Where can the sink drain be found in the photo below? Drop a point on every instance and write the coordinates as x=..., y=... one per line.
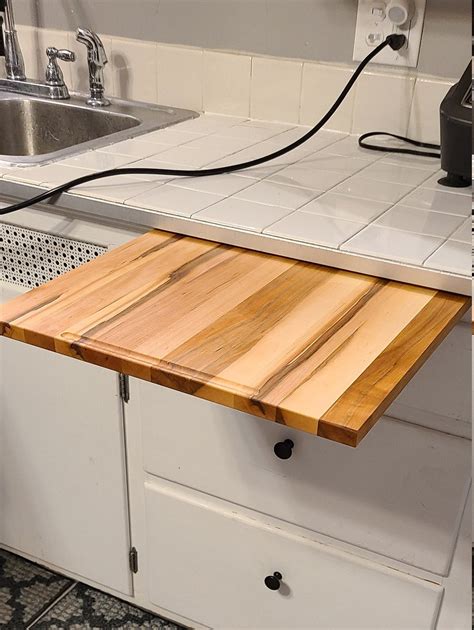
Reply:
x=30, y=258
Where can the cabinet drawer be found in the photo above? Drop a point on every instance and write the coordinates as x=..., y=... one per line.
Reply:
x=210, y=566
x=400, y=494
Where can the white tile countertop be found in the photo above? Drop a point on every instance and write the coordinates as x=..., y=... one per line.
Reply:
x=328, y=201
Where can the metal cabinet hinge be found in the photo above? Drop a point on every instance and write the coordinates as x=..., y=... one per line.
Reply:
x=133, y=560
x=124, y=384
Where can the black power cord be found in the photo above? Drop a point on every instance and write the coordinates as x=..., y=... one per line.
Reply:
x=396, y=42
x=415, y=143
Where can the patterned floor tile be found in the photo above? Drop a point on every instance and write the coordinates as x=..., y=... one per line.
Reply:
x=26, y=589
x=84, y=608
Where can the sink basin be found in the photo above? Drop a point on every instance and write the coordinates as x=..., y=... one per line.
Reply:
x=36, y=131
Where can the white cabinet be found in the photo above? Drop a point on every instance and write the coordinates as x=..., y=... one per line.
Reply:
x=63, y=497
x=400, y=494
x=209, y=563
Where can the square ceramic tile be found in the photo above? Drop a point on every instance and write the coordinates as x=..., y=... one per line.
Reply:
x=97, y=161
x=134, y=68
x=117, y=189
x=349, y=147
x=135, y=148
x=225, y=185
x=242, y=214
x=420, y=221
x=319, y=141
x=339, y=163
x=155, y=164
x=396, y=174
x=347, y=208
x=209, y=123
x=274, y=194
x=359, y=186
x=439, y=201
x=382, y=242
x=180, y=77
x=321, y=87
x=174, y=200
x=417, y=161
x=251, y=132
x=453, y=256
x=270, y=124
x=171, y=136
x=383, y=102
x=464, y=232
x=433, y=184
x=307, y=177
x=313, y=228
x=275, y=89
x=186, y=157
x=424, y=115
x=225, y=145
x=227, y=83
x=48, y=176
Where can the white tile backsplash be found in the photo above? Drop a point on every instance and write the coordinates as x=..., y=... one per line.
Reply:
x=227, y=83
x=134, y=69
x=424, y=121
x=322, y=84
x=239, y=84
x=275, y=89
x=383, y=103
x=180, y=76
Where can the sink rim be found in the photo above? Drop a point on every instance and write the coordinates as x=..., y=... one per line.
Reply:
x=147, y=115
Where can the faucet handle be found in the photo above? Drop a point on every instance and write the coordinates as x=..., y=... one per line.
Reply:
x=54, y=74
x=62, y=54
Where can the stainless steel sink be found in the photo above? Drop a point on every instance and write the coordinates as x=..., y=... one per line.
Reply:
x=37, y=131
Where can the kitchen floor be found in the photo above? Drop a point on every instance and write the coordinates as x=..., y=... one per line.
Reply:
x=34, y=597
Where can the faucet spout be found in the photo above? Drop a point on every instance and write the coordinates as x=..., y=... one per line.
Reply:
x=14, y=63
x=96, y=60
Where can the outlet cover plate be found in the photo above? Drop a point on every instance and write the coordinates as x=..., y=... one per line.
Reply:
x=373, y=26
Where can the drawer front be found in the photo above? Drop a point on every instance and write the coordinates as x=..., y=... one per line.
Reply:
x=400, y=494
x=210, y=566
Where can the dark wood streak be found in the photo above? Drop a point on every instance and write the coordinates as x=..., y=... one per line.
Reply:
x=302, y=356
x=34, y=309
x=175, y=277
x=214, y=348
x=175, y=238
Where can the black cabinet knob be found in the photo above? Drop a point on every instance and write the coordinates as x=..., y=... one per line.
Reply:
x=284, y=450
x=273, y=582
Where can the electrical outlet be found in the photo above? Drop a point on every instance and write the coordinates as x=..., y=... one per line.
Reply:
x=376, y=19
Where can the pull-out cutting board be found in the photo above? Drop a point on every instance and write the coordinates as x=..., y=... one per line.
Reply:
x=317, y=349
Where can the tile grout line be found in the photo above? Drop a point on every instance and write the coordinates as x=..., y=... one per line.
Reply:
x=56, y=601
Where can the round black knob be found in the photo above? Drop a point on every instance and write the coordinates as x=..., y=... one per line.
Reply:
x=284, y=450
x=273, y=582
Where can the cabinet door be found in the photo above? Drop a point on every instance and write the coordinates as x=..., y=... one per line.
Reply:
x=63, y=497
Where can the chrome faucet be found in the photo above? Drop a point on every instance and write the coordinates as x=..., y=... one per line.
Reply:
x=96, y=60
x=14, y=64
x=16, y=81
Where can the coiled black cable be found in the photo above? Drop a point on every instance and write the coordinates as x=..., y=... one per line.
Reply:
x=396, y=42
x=385, y=149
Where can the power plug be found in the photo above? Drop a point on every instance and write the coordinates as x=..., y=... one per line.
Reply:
x=377, y=19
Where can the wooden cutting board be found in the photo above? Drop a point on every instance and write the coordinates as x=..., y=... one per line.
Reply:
x=314, y=348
